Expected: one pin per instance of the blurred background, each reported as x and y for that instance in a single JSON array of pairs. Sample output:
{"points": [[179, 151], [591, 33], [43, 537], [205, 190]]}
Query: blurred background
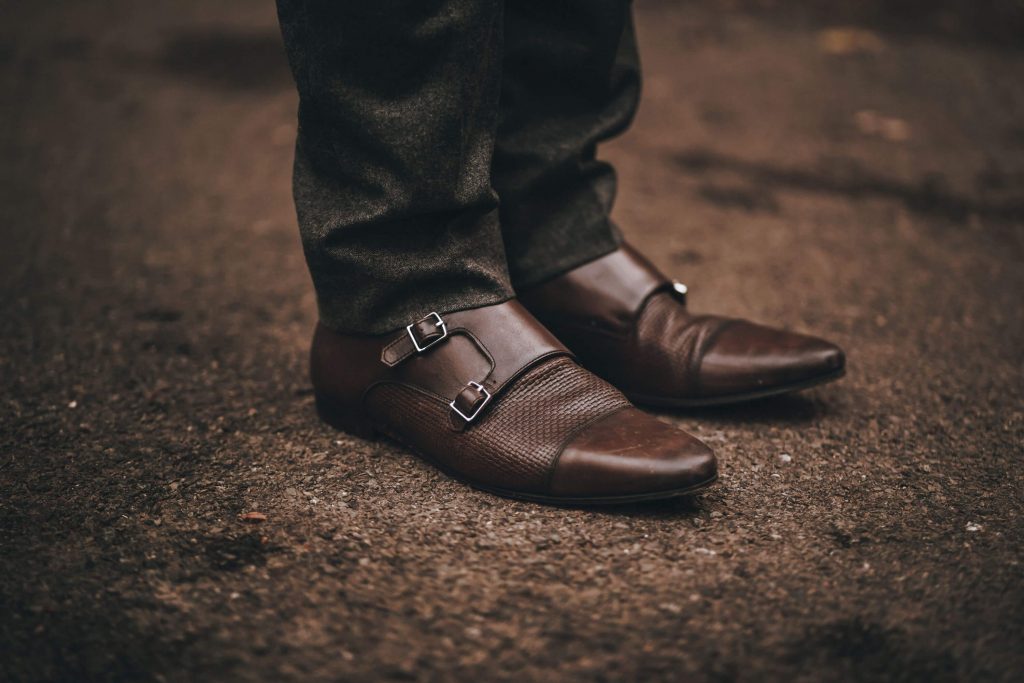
{"points": [[855, 169]]}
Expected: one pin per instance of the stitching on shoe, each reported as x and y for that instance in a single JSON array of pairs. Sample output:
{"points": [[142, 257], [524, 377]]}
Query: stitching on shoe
{"points": [[572, 435]]}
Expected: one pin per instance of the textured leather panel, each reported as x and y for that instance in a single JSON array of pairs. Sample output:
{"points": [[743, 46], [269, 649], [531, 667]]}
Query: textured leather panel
{"points": [[514, 444]]}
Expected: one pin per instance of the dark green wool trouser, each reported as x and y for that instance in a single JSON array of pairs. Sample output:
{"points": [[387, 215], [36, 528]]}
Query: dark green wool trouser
{"points": [[446, 152]]}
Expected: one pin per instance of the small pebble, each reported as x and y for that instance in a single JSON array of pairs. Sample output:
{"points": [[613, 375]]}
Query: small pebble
{"points": [[253, 517]]}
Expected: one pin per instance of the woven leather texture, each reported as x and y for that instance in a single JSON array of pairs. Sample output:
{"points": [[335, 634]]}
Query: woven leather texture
{"points": [[515, 443]]}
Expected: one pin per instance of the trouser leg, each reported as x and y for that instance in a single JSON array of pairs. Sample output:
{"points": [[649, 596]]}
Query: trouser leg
{"points": [[571, 79], [397, 113]]}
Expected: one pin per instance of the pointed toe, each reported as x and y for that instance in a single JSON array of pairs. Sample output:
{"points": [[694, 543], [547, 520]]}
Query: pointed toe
{"points": [[831, 358], [629, 324], [746, 358]]}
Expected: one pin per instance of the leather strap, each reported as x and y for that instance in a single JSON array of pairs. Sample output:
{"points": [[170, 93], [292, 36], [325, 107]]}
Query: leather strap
{"points": [[419, 336], [607, 293], [468, 358]]}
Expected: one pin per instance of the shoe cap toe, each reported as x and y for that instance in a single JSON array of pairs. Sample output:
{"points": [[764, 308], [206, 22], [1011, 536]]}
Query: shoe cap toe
{"points": [[631, 453]]}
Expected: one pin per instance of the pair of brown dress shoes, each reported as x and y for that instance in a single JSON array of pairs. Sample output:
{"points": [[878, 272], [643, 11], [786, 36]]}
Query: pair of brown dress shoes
{"points": [[533, 398]]}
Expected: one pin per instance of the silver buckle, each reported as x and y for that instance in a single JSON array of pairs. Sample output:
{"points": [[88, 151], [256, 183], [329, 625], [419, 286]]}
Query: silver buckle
{"points": [[438, 324], [472, 416], [680, 289]]}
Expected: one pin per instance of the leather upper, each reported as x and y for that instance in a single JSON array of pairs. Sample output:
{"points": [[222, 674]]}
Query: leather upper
{"points": [[642, 338], [605, 294], [538, 422], [628, 455], [468, 352]]}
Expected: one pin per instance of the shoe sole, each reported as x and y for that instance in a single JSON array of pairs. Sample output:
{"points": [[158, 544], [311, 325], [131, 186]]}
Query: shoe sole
{"points": [[590, 500], [364, 431], [728, 399]]}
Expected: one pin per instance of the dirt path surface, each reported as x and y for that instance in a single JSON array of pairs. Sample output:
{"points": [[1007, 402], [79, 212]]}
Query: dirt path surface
{"points": [[867, 185]]}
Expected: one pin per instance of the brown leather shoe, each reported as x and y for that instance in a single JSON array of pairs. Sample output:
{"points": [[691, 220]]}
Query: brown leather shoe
{"points": [[628, 324], [492, 398]]}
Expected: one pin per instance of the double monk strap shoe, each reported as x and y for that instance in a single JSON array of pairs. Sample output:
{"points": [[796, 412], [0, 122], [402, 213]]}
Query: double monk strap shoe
{"points": [[492, 398], [629, 324]]}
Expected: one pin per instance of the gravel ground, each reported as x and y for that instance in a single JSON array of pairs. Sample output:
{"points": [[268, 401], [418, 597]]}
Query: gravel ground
{"points": [[864, 184]]}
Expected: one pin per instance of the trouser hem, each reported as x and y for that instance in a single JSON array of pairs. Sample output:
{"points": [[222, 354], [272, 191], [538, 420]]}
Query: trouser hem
{"points": [[553, 268], [342, 321]]}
